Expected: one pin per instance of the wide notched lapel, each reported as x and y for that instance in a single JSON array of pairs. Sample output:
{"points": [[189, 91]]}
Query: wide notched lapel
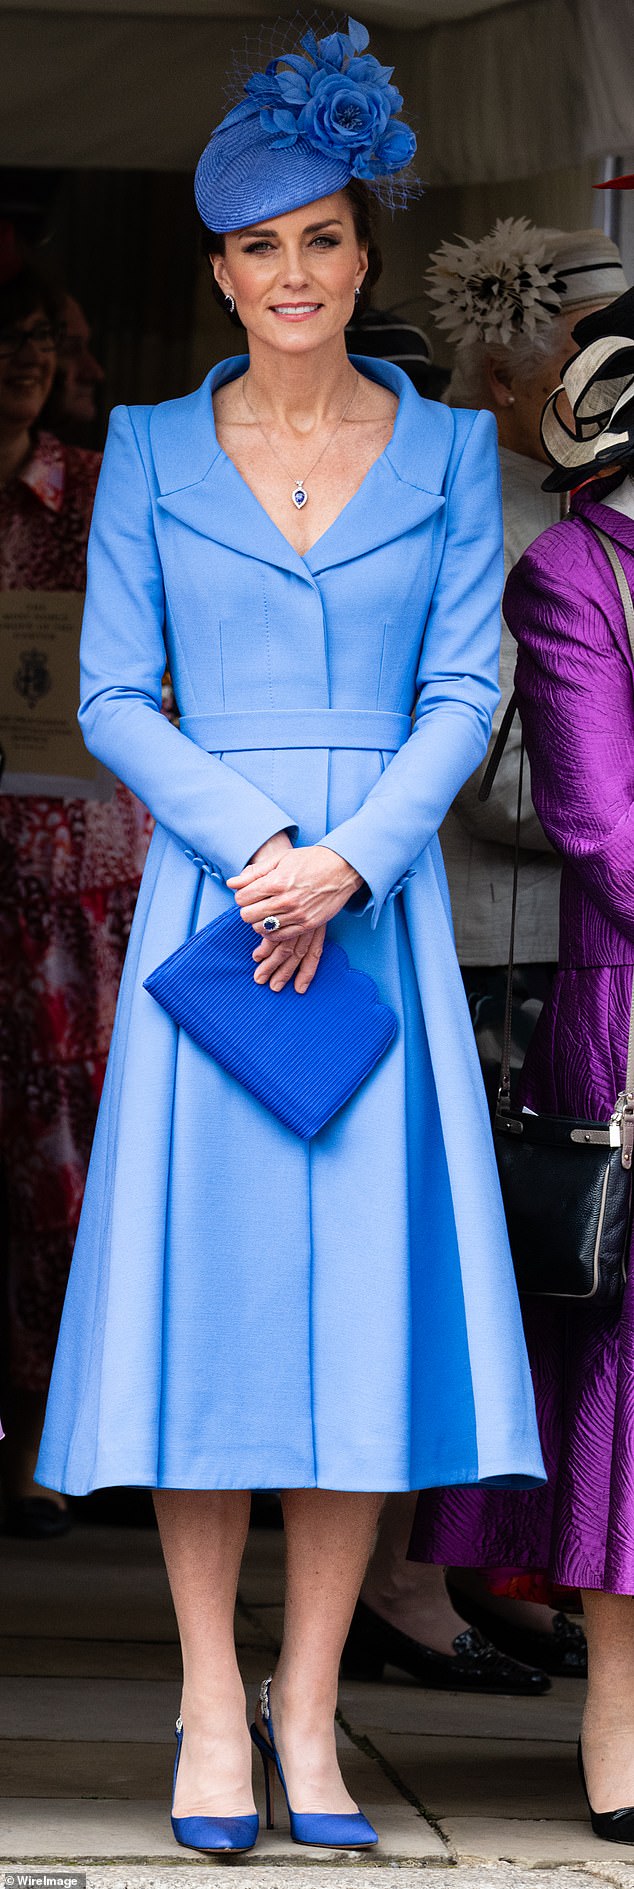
{"points": [[384, 508], [404, 487], [222, 508], [201, 487]]}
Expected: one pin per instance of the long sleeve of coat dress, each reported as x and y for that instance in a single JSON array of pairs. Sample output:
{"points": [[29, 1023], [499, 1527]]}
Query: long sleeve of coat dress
{"points": [[200, 799], [456, 684], [575, 688]]}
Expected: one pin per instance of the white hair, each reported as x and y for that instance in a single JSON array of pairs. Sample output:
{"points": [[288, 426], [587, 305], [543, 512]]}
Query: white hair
{"points": [[469, 386], [509, 248]]}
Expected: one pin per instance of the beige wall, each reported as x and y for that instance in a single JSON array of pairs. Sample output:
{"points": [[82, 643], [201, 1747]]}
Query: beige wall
{"points": [[544, 83]]}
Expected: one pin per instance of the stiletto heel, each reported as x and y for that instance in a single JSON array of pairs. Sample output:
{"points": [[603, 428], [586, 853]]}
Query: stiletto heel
{"points": [[268, 1769], [270, 1802], [613, 1826], [347, 1832], [211, 1833], [268, 1766]]}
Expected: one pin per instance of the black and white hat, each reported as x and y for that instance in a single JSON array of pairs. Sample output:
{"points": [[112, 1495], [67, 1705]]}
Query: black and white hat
{"points": [[599, 385]]}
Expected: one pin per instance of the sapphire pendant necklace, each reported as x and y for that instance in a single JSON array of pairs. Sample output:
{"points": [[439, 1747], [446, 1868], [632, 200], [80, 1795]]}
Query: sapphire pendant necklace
{"points": [[299, 495]]}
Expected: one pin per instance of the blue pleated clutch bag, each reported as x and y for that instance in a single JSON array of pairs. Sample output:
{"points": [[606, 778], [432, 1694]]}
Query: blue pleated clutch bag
{"points": [[302, 1056]]}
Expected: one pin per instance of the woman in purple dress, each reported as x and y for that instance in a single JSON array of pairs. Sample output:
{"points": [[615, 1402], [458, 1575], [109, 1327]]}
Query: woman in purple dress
{"points": [[575, 682]]}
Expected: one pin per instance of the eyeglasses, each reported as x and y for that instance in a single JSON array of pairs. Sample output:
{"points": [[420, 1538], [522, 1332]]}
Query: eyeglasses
{"points": [[43, 337]]}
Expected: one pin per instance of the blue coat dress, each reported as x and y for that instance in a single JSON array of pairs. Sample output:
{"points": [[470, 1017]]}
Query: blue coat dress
{"points": [[246, 1309]]}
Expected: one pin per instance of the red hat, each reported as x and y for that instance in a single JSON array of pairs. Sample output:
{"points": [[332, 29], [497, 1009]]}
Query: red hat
{"points": [[617, 183]]}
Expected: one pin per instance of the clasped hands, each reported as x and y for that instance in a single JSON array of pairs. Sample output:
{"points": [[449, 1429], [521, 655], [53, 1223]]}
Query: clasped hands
{"points": [[303, 886]]}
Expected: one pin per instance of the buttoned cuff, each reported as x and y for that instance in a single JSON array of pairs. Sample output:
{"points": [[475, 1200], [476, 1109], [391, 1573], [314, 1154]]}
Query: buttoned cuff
{"points": [[345, 841], [255, 841]]}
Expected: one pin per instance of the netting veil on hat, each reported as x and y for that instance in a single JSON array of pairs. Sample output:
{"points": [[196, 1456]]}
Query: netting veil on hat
{"points": [[309, 123]]}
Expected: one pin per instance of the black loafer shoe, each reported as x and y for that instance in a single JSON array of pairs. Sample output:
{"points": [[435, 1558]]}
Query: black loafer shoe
{"points": [[562, 1653], [474, 1666], [36, 1518], [613, 1826]]}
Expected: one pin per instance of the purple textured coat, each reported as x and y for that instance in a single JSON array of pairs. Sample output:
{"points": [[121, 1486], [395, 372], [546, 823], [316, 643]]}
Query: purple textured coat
{"points": [[575, 681]]}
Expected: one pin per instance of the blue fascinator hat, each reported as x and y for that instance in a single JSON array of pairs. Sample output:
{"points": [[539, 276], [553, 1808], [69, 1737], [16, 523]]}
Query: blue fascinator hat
{"points": [[309, 123]]}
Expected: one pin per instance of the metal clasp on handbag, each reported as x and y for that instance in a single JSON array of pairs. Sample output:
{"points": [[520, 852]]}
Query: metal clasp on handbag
{"points": [[622, 1127]]}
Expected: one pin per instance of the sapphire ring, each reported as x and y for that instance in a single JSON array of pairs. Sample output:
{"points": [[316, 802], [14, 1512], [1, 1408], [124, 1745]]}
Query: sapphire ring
{"points": [[271, 924]]}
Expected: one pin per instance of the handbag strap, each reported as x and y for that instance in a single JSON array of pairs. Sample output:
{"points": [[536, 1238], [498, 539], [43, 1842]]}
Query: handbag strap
{"points": [[497, 750], [627, 601], [504, 1094]]}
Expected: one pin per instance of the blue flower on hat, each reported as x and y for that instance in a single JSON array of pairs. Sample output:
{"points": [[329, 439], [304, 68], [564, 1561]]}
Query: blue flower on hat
{"points": [[337, 98]]}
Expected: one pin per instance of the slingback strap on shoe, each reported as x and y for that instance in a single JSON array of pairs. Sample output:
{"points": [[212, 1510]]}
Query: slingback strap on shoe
{"points": [[347, 1832], [211, 1833]]}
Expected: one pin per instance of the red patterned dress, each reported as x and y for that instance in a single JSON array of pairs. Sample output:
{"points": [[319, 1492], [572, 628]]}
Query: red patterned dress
{"points": [[69, 875]]}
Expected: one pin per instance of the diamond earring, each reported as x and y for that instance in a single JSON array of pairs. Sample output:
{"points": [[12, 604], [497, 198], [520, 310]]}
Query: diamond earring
{"points": [[229, 304], [357, 296]]}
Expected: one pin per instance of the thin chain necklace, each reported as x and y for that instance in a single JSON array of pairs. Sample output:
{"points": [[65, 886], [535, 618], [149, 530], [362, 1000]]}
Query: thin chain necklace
{"points": [[299, 494]]}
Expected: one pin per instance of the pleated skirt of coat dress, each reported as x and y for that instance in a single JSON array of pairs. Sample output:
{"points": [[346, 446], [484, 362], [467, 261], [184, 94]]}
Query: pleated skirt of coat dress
{"points": [[246, 1309]]}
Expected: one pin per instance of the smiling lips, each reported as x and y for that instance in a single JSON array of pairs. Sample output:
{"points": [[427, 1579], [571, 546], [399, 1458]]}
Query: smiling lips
{"points": [[295, 311], [23, 383]]}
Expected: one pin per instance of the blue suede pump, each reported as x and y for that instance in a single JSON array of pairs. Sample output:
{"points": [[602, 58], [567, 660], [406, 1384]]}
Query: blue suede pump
{"points": [[333, 1833], [211, 1833]]}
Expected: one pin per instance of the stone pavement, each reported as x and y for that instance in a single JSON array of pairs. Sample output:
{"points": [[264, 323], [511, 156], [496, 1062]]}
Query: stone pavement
{"points": [[483, 1789]]}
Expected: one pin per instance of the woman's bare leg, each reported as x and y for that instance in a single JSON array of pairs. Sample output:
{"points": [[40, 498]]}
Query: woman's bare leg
{"points": [[203, 1535], [412, 1595], [328, 1539], [608, 1719], [409, 1594]]}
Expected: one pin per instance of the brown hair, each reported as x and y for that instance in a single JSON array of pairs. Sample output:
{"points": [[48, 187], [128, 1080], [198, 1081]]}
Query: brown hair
{"points": [[364, 215], [27, 291]]}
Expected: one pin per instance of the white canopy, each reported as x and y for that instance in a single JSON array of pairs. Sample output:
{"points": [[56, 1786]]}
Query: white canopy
{"points": [[524, 87]]}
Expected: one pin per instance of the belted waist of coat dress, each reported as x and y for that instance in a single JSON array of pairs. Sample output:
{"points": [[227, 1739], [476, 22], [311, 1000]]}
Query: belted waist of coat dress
{"points": [[298, 728]]}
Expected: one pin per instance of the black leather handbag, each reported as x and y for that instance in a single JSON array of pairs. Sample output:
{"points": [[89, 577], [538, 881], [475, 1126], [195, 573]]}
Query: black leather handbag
{"points": [[566, 1185]]}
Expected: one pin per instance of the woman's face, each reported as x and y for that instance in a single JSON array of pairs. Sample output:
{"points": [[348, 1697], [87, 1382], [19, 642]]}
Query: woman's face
{"points": [[293, 277], [28, 361], [521, 397]]}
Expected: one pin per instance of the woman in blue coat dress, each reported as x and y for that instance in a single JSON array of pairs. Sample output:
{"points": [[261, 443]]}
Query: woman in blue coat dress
{"points": [[335, 1318]]}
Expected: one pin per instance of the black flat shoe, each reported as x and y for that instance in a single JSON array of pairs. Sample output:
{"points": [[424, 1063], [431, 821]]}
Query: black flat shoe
{"points": [[562, 1653], [474, 1665], [36, 1518], [613, 1826]]}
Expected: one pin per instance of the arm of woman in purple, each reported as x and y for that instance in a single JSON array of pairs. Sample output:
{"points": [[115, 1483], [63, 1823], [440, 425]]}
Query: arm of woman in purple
{"points": [[575, 685]]}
